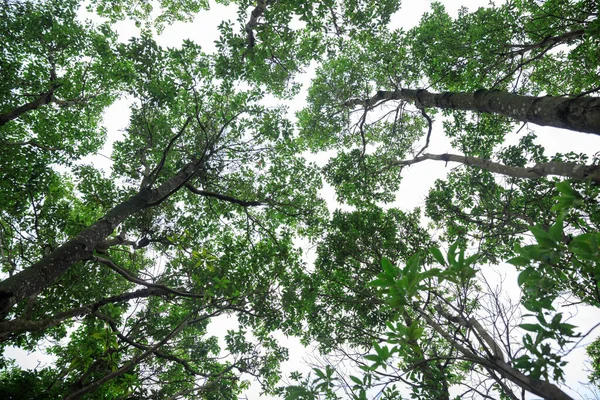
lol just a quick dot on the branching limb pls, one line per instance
(429, 128)
(566, 169)
(131, 364)
(151, 178)
(125, 274)
(257, 12)
(159, 353)
(18, 325)
(229, 199)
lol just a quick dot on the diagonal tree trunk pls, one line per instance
(40, 275)
(575, 113)
(567, 169)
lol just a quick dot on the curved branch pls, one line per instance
(575, 171)
(259, 10)
(161, 354)
(131, 278)
(131, 364)
(15, 113)
(223, 197)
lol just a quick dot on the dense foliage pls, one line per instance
(122, 274)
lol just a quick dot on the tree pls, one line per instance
(375, 134)
(197, 152)
(208, 193)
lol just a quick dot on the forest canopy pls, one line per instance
(216, 200)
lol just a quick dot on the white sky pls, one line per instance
(415, 184)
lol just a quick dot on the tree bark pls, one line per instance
(575, 113)
(42, 100)
(566, 169)
(40, 275)
(538, 387)
(257, 12)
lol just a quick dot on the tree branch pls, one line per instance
(131, 278)
(257, 12)
(21, 325)
(575, 113)
(570, 170)
(15, 113)
(229, 199)
(131, 364)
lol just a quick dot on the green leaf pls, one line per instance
(388, 267)
(531, 327)
(437, 254)
(519, 261)
(356, 380)
(556, 230)
(525, 276)
(373, 357)
(542, 236)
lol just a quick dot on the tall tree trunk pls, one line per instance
(40, 275)
(575, 113)
(568, 170)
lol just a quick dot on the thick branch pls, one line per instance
(575, 113)
(15, 113)
(259, 10)
(549, 41)
(223, 197)
(566, 169)
(541, 388)
(20, 325)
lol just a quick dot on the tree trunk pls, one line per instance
(40, 275)
(576, 113)
(568, 170)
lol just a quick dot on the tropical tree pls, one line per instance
(374, 94)
(209, 194)
(196, 220)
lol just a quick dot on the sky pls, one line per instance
(415, 183)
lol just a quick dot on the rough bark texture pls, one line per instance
(576, 113)
(34, 279)
(569, 170)
(259, 10)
